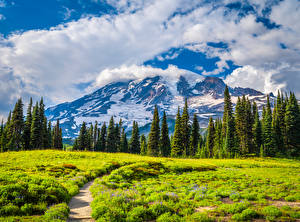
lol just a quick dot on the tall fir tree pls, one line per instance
(195, 136)
(227, 114)
(228, 126)
(43, 124)
(102, 138)
(267, 131)
(123, 142)
(110, 140)
(143, 145)
(257, 133)
(218, 151)
(292, 121)
(83, 138)
(57, 136)
(153, 139)
(210, 137)
(177, 146)
(27, 127)
(35, 139)
(134, 144)
(17, 126)
(185, 129)
(164, 145)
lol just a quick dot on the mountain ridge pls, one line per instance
(135, 100)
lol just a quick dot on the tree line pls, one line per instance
(241, 132)
(32, 132)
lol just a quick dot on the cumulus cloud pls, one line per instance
(111, 47)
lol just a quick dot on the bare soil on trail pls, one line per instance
(80, 210)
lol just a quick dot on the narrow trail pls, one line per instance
(80, 210)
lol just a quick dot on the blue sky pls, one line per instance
(63, 49)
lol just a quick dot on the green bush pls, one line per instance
(59, 212)
(168, 217)
(233, 208)
(201, 217)
(139, 213)
(246, 215)
(159, 209)
(271, 212)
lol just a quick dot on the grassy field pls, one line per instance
(36, 185)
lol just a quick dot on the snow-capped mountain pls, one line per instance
(135, 100)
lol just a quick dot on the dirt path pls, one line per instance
(80, 209)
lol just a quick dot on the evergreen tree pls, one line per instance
(17, 125)
(185, 129)
(218, 145)
(153, 140)
(177, 146)
(143, 145)
(57, 136)
(110, 140)
(164, 146)
(49, 135)
(257, 133)
(195, 136)
(27, 127)
(82, 140)
(134, 144)
(210, 137)
(267, 131)
(90, 138)
(95, 137)
(43, 124)
(228, 126)
(227, 114)
(123, 142)
(35, 139)
(6, 133)
(292, 121)
(102, 138)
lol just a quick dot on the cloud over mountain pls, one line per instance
(260, 36)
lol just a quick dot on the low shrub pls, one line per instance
(58, 212)
(246, 215)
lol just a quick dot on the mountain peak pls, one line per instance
(135, 100)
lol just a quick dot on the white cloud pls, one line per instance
(53, 62)
(126, 73)
(2, 17)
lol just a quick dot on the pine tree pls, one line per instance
(218, 145)
(257, 133)
(43, 124)
(185, 129)
(49, 135)
(177, 146)
(164, 146)
(95, 137)
(267, 131)
(134, 144)
(228, 127)
(57, 136)
(123, 142)
(110, 140)
(90, 138)
(143, 145)
(6, 134)
(153, 140)
(210, 137)
(27, 127)
(83, 142)
(195, 135)
(292, 121)
(17, 125)
(227, 114)
(102, 138)
(35, 139)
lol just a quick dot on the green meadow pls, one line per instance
(37, 186)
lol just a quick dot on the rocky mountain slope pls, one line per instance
(135, 100)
